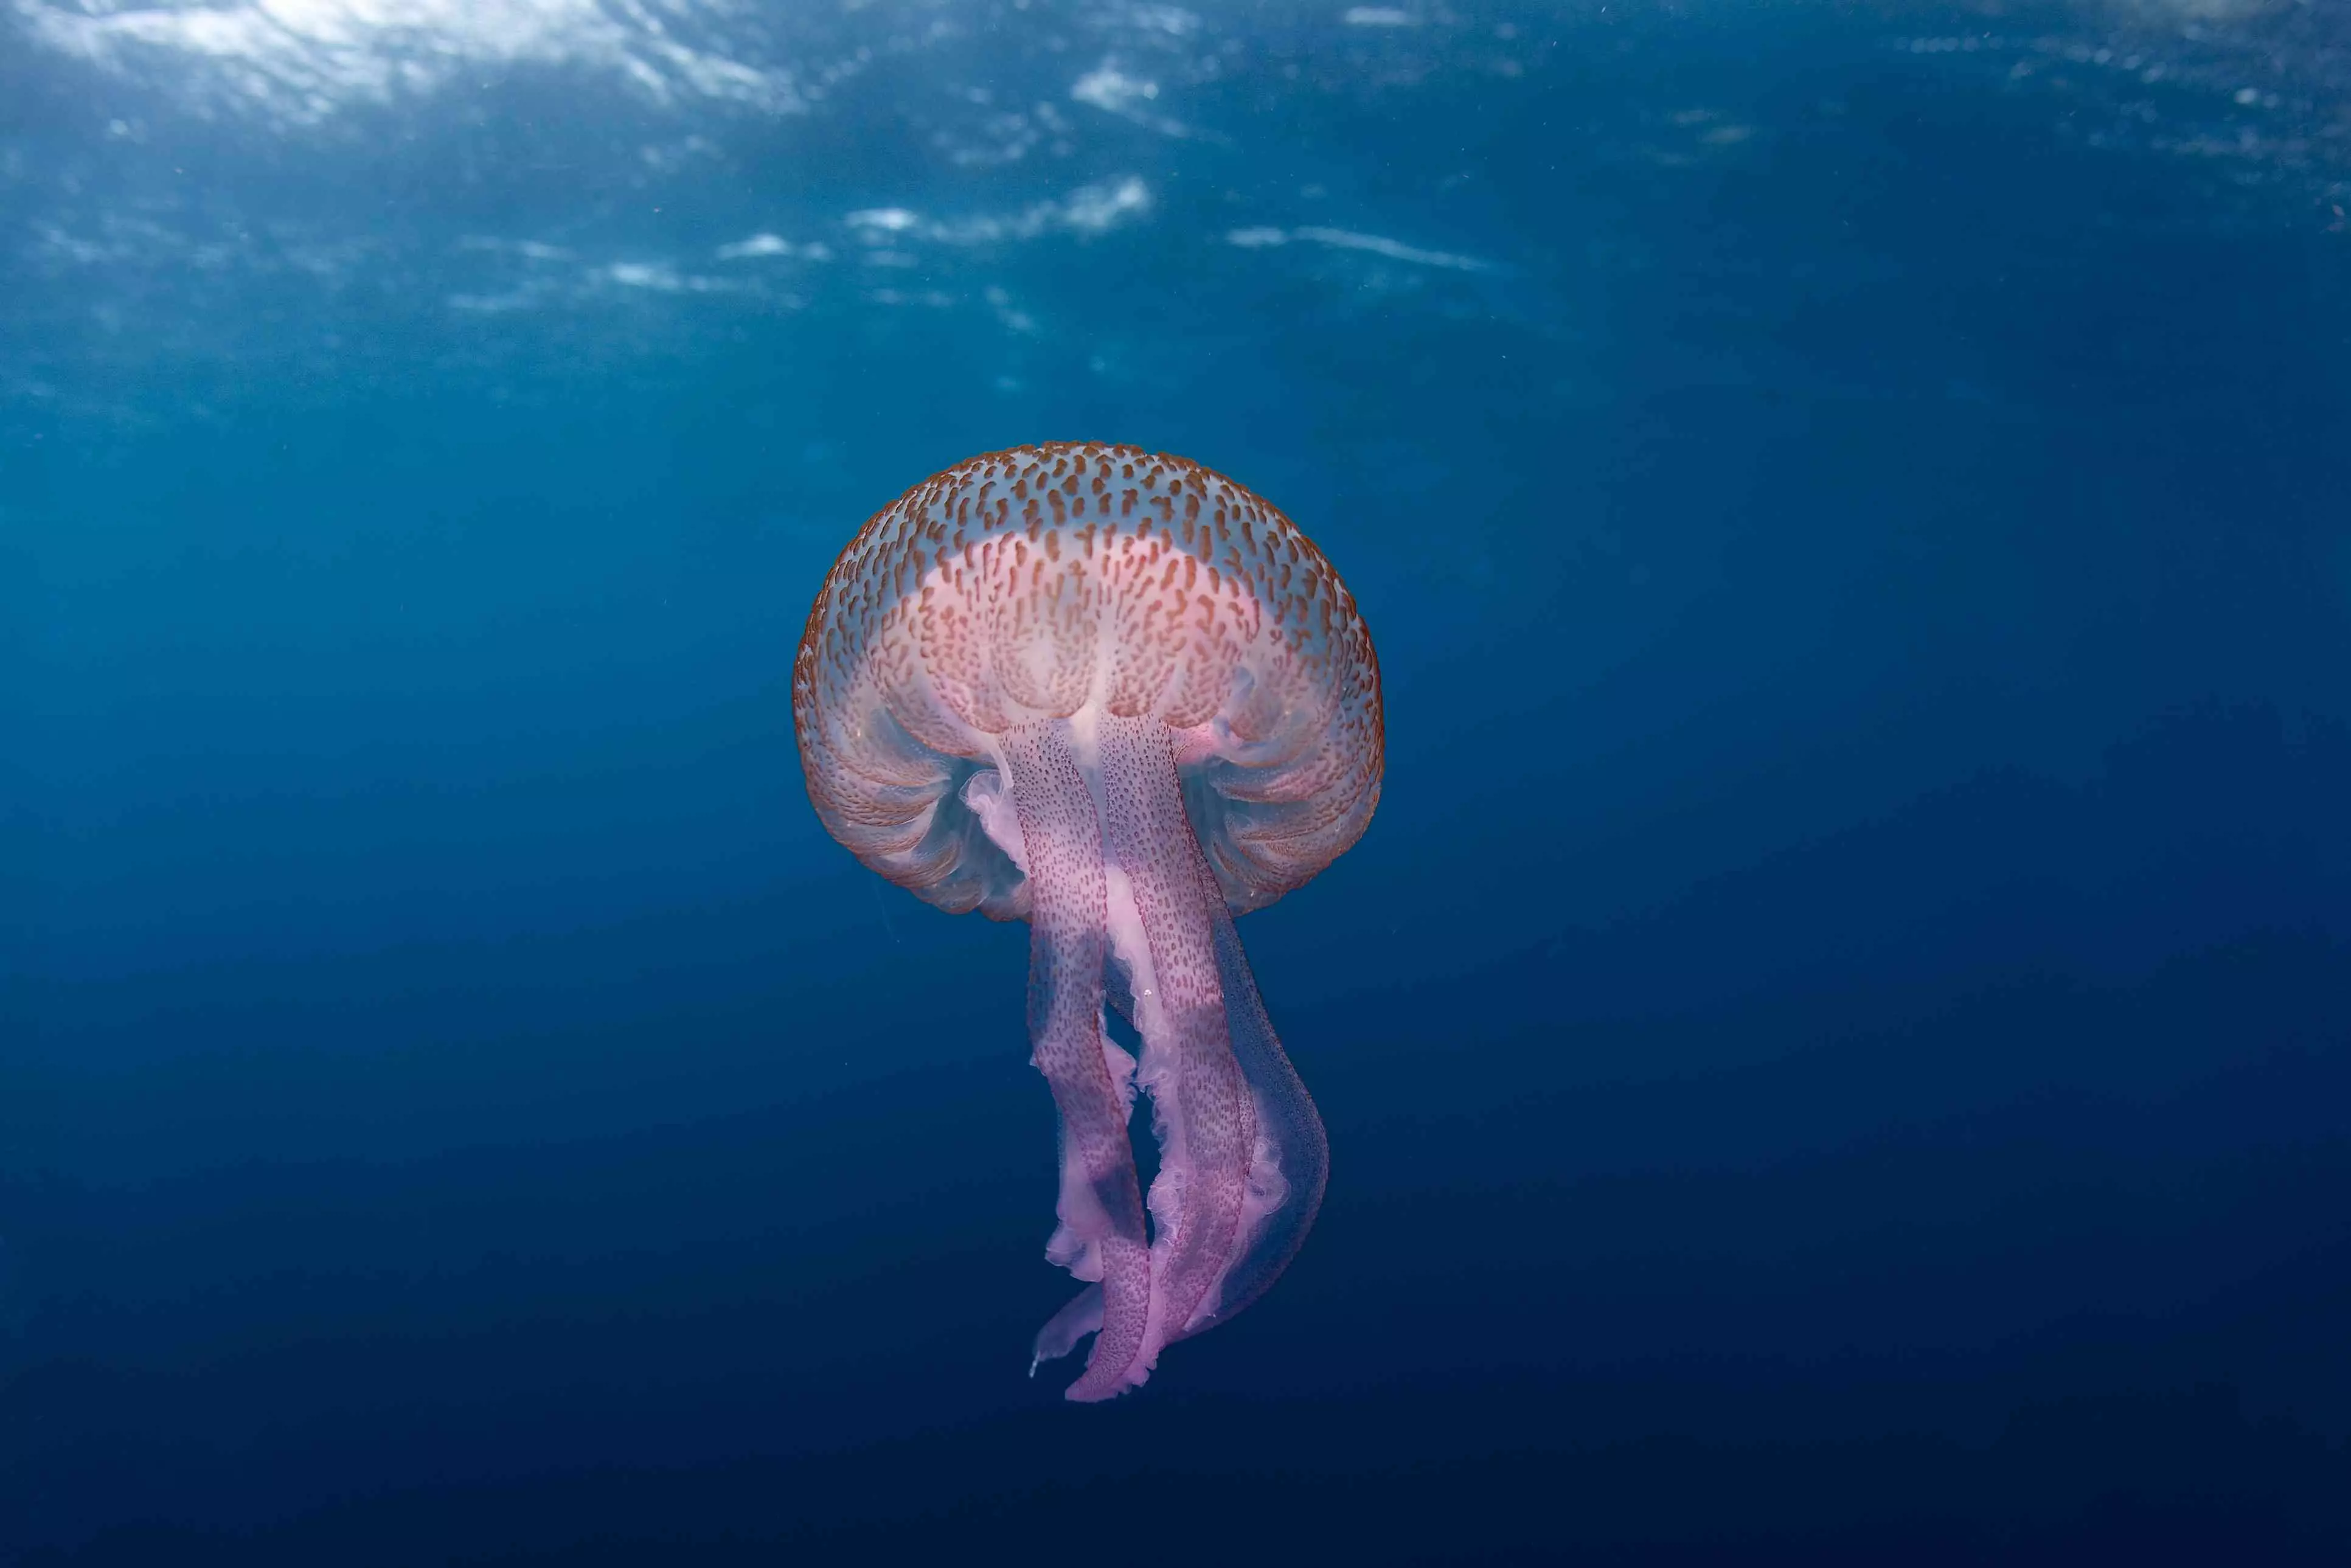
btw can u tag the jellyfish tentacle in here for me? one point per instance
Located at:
(1064, 1329)
(1290, 1165)
(1202, 1108)
(1100, 1235)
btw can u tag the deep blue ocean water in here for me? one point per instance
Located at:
(1837, 1045)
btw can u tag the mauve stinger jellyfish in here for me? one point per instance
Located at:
(1118, 697)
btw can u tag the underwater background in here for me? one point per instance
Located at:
(1837, 1045)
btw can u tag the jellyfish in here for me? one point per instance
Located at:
(1122, 697)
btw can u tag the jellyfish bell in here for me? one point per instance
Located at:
(1119, 696)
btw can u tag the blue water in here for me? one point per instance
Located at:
(1836, 1046)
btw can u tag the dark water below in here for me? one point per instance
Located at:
(1836, 1046)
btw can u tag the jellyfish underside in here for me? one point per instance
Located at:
(1125, 911)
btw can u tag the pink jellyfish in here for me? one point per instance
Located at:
(1123, 698)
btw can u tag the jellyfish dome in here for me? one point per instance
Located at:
(1122, 697)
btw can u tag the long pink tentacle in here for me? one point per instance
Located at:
(1100, 1207)
(1289, 1170)
(1207, 1124)
(1292, 1162)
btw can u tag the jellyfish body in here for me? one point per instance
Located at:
(1121, 697)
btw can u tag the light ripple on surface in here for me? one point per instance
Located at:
(300, 62)
(1348, 239)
